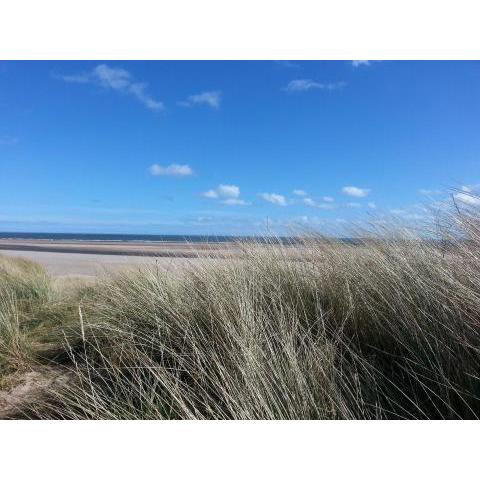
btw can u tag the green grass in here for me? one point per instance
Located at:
(325, 330)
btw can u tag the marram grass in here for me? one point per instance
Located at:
(387, 329)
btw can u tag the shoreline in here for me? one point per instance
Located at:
(134, 248)
(86, 259)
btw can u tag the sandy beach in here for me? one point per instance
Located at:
(90, 259)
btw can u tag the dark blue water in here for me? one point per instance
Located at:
(113, 237)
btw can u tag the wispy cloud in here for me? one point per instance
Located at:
(8, 140)
(210, 194)
(326, 202)
(424, 191)
(234, 201)
(372, 205)
(354, 205)
(303, 85)
(355, 191)
(310, 202)
(211, 99)
(360, 63)
(139, 90)
(117, 79)
(274, 198)
(173, 170)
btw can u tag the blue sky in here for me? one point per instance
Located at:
(216, 147)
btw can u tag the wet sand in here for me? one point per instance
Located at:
(90, 259)
(157, 249)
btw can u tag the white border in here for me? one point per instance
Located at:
(247, 29)
(189, 449)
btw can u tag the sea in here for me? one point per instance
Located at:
(121, 238)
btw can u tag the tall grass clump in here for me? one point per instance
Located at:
(386, 328)
(34, 316)
(24, 288)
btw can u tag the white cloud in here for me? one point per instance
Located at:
(210, 194)
(231, 191)
(308, 201)
(116, 79)
(234, 201)
(274, 198)
(328, 199)
(212, 99)
(355, 191)
(173, 170)
(299, 193)
(359, 63)
(372, 205)
(229, 195)
(397, 211)
(302, 85)
(353, 205)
